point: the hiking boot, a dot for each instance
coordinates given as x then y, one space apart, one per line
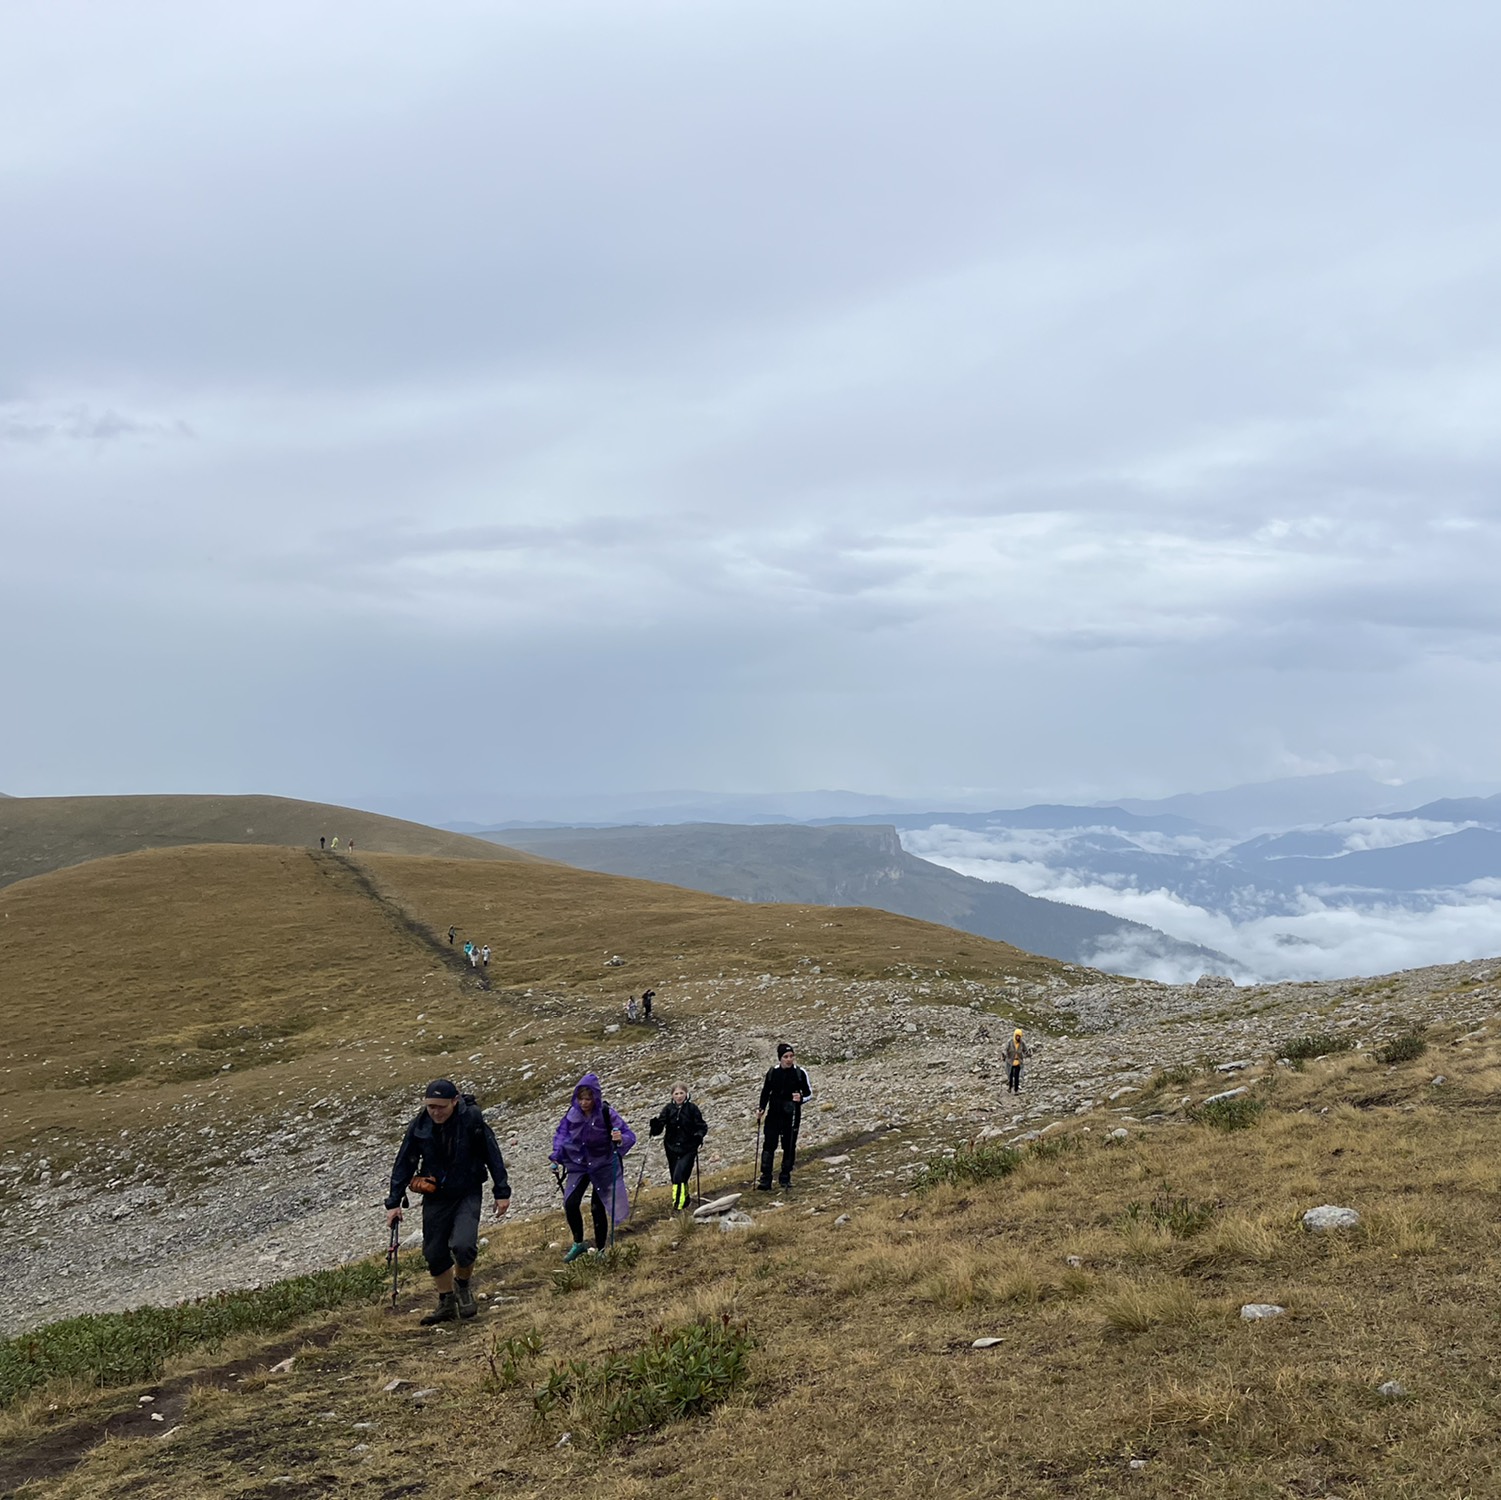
463 1299
444 1312
575 1250
763 1187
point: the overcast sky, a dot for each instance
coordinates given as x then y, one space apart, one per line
1072 400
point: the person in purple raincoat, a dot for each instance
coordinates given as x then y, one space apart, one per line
590 1144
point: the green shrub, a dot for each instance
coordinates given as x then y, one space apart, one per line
506 1356
677 1374
1299 1049
588 1269
1404 1047
110 1349
1239 1113
983 1164
1051 1147
1175 1212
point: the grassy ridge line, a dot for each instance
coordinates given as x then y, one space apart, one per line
41 834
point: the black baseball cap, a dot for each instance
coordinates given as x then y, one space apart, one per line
442 1088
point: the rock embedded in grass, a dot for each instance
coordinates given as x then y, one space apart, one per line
1329 1216
1255 1312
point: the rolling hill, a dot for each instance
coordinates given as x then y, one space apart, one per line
40 834
856 865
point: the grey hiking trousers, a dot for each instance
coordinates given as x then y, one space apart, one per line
450 1231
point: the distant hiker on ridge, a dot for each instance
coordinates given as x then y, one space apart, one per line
444 1157
630 1009
335 843
322 842
484 954
646 999
684 1127
590 1144
453 932
782 1096
1016 1052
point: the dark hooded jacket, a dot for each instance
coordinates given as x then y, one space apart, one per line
682 1126
458 1153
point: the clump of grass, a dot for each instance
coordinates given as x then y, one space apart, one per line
1177 1213
1136 1309
587 1270
507 1356
1404 1047
677 1375
1239 1113
1300 1049
113 1349
983 1164
1051 1147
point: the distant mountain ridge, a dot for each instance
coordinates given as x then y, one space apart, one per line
855 865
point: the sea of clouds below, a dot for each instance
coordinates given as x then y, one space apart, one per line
1319 939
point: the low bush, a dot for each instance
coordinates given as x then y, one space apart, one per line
111 1349
1239 1113
1300 1049
1175 1212
983 1164
507 1356
588 1269
1404 1047
677 1375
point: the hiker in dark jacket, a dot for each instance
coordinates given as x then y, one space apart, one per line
782 1097
590 1144
447 1151
682 1128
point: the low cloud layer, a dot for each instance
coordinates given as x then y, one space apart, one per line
1317 939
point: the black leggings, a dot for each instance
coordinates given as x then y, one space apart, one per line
680 1164
573 1209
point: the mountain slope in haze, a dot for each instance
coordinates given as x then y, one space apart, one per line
1038 815
858 866
40 834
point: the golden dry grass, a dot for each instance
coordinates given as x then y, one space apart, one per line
864 1378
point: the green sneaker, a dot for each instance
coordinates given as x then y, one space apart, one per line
574 1251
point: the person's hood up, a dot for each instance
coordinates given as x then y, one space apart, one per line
589 1081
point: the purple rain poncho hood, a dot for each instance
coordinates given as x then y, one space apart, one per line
581 1145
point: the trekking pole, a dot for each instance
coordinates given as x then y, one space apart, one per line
558 1176
756 1152
641 1175
393 1253
698 1182
614 1189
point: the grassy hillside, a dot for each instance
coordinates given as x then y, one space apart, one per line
849 866
1112 1274
40 834
248 974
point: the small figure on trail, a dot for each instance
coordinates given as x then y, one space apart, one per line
335 843
782 1096
682 1128
473 956
349 847
453 932
468 947
1016 1051
484 954
322 842
646 999
631 1012
444 1157
590 1145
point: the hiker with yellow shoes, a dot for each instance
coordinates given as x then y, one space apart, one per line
681 1125
1016 1051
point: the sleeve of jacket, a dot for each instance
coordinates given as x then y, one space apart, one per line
807 1085
494 1161
401 1174
698 1126
627 1135
558 1142
655 1125
766 1089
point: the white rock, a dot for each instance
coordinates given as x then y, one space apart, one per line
156 1416
1254 1312
842 1219
986 1343
395 1385
835 1161
1138 1464
718 1206
424 1393
614 1027
1120 1133
1329 1216
736 1220
284 1366
1440 1081
1228 1094
1392 1390
564 1441
1239 1066
147 1400
1075 1262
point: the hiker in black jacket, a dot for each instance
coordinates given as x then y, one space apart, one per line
447 1151
682 1128
782 1096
